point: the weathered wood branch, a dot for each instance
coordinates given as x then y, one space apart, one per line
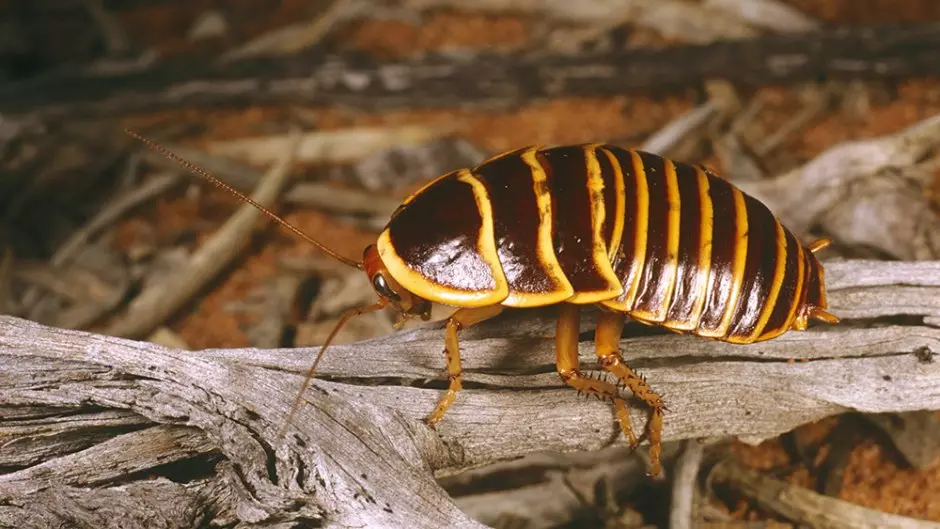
885 52
358 453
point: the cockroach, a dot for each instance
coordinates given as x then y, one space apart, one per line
637 235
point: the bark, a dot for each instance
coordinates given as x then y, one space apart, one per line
884 52
106 431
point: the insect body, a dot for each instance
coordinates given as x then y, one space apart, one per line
637 235
661 242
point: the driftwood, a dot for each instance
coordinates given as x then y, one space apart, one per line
111 432
887 52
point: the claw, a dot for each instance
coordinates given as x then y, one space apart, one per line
431 423
633 447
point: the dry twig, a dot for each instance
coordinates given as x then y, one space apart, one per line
677 19
341 200
804 506
327 147
684 485
770 14
160 301
819 101
114 36
841 187
886 52
686 125
916 435
110 214
358 453
295 37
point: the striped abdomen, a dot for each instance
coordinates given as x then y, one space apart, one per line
665 242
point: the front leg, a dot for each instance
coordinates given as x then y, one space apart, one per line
460 319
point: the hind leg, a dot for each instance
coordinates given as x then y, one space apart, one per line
607 346
566 352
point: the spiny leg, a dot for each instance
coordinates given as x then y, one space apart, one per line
460 319
607 347
566 361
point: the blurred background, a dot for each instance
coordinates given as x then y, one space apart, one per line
384 96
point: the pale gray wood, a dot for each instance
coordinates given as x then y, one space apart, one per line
685 485
33 441
357 453
111 460
157 504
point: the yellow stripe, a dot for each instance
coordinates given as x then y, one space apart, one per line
800 321
671 263
595 183
545 246
620 196
642 227
671 267
797 298
798 293
708 232
737 271
707 227
642 196
740 258
486 246
775 285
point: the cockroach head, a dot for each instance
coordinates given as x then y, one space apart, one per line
390 291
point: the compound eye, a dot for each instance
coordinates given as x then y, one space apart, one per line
381 286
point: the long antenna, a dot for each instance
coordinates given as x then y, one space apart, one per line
313 367
203 173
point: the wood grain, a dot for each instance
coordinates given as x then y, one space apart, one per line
358 453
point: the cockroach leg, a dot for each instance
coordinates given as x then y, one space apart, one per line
607 346
460 319
566 352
